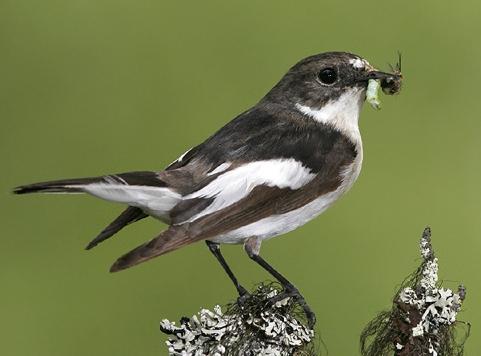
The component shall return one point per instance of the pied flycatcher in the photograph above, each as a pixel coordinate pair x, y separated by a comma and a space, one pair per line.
270, 170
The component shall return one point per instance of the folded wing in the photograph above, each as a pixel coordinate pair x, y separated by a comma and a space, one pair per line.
216, 213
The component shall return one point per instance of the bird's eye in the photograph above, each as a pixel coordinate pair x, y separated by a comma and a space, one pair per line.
328, 76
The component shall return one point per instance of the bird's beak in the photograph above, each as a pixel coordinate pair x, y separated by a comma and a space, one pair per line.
376, 74
390, 82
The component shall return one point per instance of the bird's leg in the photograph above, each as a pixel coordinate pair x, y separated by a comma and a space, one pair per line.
215, 249
252, 247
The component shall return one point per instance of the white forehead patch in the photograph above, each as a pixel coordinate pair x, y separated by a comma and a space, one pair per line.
359, 63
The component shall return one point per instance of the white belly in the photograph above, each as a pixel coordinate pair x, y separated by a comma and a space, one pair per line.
280, 224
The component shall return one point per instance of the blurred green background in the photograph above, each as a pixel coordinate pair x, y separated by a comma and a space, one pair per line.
92, 87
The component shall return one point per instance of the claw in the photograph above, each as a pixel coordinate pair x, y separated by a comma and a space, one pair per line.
242, 291
297, 296
279, 297
243, 296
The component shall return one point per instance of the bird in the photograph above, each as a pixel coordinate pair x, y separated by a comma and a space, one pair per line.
270, 170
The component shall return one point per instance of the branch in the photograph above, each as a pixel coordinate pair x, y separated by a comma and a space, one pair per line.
422, 320
248, 328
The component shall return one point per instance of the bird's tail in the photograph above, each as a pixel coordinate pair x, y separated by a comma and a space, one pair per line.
168, 240
128, 216
129, 188
57, 186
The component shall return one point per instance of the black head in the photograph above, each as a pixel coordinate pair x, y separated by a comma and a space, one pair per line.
324, 77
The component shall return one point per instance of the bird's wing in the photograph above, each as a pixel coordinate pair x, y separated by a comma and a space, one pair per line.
285, 150
262, 202
242, 193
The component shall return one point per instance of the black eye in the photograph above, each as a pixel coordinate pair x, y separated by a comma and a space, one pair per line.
327, 76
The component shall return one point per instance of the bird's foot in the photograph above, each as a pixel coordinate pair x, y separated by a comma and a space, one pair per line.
244, 295
293, 292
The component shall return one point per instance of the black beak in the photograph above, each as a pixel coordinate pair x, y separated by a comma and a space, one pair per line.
390, 82
375, 74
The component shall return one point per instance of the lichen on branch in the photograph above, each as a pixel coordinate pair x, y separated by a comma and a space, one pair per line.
248, 328
423, 319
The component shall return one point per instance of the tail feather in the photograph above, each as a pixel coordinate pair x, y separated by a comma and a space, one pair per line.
142, 189
128, 216
57, 186
169, 240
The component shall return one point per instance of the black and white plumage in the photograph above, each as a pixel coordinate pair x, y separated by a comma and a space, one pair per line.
270, 170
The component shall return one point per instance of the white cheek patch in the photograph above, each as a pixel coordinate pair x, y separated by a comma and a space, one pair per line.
234, 185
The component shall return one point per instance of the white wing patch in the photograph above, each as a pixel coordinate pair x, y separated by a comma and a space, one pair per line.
232, 186
280, 224
181, 157
221, 168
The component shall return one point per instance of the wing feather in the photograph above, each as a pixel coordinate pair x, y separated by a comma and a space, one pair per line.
262, 202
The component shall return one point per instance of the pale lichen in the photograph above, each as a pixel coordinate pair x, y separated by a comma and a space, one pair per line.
423, 316
437, 306
250, 328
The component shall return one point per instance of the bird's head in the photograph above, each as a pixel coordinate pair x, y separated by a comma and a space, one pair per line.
325, 78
